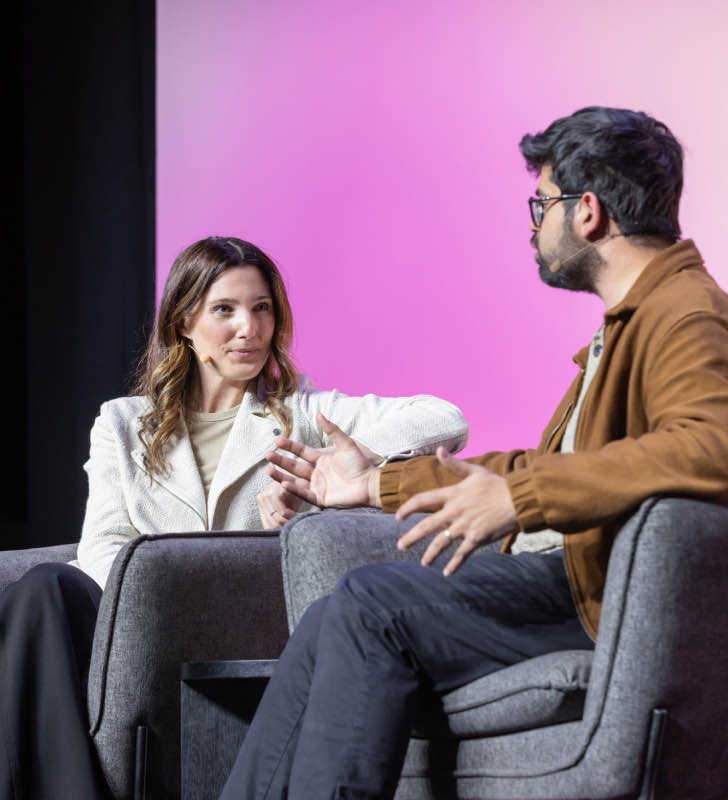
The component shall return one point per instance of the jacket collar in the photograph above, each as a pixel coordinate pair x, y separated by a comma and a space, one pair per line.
668, 262
251, 436
182, 477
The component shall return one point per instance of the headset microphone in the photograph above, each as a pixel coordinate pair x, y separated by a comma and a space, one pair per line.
555, 266
204, 357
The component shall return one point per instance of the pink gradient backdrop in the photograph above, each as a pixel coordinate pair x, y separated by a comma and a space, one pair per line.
371, 149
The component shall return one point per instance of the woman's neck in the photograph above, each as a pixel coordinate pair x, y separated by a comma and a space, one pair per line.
210, 399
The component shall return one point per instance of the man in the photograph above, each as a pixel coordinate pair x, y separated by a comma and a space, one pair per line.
647, 414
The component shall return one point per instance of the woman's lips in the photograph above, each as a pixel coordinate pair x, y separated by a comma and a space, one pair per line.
244, 353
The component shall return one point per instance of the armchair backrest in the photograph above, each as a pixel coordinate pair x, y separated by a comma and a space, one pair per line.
663, 643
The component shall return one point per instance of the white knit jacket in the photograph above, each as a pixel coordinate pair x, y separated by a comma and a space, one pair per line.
122, 503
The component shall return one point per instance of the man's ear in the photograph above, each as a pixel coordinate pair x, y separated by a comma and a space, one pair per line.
590, 218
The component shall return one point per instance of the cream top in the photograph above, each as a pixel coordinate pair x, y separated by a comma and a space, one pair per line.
547, 540
208, 434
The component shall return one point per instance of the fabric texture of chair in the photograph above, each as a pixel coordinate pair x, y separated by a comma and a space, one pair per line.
644, 715
170, 599
15, 563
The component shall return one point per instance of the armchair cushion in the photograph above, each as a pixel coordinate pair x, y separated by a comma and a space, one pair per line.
542, 691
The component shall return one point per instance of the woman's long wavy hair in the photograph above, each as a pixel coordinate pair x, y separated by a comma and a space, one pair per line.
168, 366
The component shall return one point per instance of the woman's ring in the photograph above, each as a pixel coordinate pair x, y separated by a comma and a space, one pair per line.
448, 534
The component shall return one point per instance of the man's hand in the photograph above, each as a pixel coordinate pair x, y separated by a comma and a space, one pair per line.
276, 506
340, 476
477, 510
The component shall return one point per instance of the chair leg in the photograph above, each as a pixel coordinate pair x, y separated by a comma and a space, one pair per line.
658, 723
140, 763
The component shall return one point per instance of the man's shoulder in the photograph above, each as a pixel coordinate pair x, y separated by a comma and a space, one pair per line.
691, 290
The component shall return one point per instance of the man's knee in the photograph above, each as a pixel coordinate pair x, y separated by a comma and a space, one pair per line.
309, 625
375, 588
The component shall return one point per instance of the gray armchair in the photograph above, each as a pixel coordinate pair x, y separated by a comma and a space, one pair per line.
644, 715
170, 599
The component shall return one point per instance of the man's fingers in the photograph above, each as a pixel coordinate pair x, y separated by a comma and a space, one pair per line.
298, 487
299, 468
439, 544
300, 490
454, 465
334, 432
310, 454
423, 501
464, 550
425, 527
288, 502
277, 475
281, 500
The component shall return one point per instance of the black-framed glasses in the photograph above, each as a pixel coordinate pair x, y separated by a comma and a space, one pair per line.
538, 205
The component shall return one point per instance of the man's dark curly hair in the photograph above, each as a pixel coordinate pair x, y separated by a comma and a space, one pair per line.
630, 160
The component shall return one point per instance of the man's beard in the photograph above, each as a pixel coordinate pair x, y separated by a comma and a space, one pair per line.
580, 262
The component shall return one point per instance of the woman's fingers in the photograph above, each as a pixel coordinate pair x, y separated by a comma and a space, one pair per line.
276, 504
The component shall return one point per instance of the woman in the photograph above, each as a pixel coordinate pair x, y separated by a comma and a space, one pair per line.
216, 389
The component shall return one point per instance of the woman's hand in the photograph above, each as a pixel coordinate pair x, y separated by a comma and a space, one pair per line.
340, 476
276, 506
475, 511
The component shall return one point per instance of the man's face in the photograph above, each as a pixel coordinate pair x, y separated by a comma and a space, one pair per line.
564, 260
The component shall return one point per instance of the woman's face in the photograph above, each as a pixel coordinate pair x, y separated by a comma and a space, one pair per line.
233, 325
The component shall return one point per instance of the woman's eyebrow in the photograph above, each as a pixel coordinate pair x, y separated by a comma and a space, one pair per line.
234, 301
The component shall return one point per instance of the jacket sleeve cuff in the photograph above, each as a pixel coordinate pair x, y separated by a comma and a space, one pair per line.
389, 486
525, 501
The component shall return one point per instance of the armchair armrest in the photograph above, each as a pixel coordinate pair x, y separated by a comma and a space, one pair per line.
171, 599
15, 563
320, 547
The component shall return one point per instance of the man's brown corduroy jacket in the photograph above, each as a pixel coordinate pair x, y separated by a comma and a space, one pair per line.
654, 421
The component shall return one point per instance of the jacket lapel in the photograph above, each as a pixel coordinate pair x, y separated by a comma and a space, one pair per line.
253, 435
182, 478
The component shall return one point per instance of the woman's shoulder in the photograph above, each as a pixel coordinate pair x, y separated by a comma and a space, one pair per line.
120, 411
304, 388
